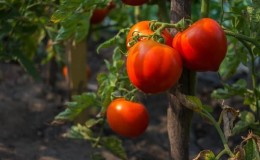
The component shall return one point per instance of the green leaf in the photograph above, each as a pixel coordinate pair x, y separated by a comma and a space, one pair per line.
80, 132
79, 104
28, 65
237, 88
117, 39
205, 155
196, 103
251, 150
114, 145
246, 119
92, 122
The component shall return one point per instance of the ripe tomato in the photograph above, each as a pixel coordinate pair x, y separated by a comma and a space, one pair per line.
99, 14
153, 67
134, 2
143, 28
126, 118
203, 45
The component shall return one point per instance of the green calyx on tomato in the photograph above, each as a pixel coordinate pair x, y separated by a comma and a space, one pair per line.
99, 14
202, 46
143, 28
126, 118
134, 2
153, 67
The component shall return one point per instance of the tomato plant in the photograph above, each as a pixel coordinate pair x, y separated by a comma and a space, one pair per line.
126, 118
203, 45
134, 2
153, 67
99, 14
143, 28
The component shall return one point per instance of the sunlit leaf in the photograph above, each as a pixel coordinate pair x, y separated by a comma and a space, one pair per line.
114, 145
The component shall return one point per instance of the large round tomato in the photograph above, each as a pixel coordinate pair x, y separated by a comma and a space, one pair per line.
126, 118
99, 14
203, 45
153, 67
143, 28
134, 2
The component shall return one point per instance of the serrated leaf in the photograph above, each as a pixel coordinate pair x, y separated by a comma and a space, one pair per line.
80, 132
237, 88
205, 155
114, 145
82, 28
196, 103
81, 102
92, 122
114, 40
246, 119
58, 16
251, 150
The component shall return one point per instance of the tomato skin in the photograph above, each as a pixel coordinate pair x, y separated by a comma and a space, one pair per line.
143, 27
153, 67
134, 2
203, 45
126, 118
99, 14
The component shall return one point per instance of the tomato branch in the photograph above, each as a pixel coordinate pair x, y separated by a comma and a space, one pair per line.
220, 132
204, 8
243, 37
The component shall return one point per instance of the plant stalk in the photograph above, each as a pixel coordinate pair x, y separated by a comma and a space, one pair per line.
204, 11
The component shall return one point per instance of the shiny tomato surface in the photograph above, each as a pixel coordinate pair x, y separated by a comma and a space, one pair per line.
203, 45
153, 67
142, 27
126, 118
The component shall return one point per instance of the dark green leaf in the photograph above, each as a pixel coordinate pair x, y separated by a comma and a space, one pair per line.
28, 65
114, 145
79, 104
251, 150
246, 119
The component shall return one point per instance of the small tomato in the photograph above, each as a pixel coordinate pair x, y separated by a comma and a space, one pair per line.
126, 118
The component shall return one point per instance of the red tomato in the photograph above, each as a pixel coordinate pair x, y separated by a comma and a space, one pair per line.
143, 28
203, 45
99, 14
135, 2
153, 67
126, 118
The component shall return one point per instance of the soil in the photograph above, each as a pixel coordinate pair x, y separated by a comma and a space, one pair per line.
28, 107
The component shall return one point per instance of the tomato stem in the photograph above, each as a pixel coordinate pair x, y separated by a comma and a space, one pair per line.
204, 8
243, 37
220, 132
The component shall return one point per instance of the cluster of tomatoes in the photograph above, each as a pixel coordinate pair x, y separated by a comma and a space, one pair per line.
154, 67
